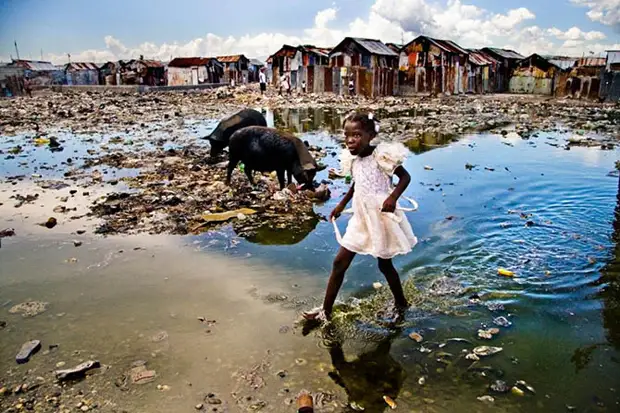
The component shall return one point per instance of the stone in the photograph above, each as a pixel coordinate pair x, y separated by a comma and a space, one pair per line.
27, 350
140, 375
199, 406
77, 243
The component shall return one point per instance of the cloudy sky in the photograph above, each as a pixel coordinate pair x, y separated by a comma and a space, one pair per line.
122, 29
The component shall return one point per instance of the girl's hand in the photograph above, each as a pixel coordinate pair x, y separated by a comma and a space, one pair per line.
336, 212
389, 205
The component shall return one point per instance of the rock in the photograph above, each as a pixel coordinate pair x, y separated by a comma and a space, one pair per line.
78, 371
8, 232
199, 406
50, 223
60, 209
28, 349
84, 408
140, 375
159, 337
484, 351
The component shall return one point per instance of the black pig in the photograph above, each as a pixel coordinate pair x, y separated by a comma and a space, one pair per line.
266, 149
220, 136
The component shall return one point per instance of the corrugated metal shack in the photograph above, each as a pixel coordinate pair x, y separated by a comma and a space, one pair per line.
585, 78
143, 72
194, 71
11, 80
77, 73
40, 73
286, 62
110, 73
371, 65
481, 72
315, 69
254, 68
610, 83
508, 61
542, 75
235, 67
434, 66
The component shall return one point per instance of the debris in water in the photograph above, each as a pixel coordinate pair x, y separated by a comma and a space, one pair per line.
78, 371
428, 168
225, 216
50, 223
505, 273
305, 404
484, 351
502, 322
29, 308
486, 399
390, 402
472, 356
422, 381
527, 386
416, 337
28, 349
9, 232
500, 387
140, 375
377, 285
517, 391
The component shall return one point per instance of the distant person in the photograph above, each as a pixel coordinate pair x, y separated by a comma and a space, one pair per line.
232, 83
351, 87
27, 87
282, 84
287, 85
378, 227
303, 86
262, 80
244, 80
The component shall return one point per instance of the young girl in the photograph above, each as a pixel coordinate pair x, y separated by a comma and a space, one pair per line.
376, 228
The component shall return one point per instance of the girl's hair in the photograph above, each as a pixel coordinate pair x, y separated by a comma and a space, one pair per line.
366, 121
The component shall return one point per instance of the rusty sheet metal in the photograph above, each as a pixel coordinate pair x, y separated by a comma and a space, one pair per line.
592, 61
285, 51
479, 58
81, 66
369, 45
193, 61
35, 65
562, 62
231, 59
505, 53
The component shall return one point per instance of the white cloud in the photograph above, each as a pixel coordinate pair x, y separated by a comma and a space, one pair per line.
390, 21
602, 11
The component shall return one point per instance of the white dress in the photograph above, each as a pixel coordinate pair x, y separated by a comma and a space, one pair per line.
370, 231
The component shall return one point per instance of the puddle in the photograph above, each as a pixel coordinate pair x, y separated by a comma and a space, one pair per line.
550, 215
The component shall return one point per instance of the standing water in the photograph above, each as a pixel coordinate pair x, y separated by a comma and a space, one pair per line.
213, 314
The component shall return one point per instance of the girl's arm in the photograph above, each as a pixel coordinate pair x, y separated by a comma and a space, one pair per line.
343, 203
403, 182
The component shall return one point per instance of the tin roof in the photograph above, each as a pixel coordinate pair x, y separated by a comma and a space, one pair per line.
321, 51
147, 63
231, 59
505, 53
81, 66
256, 62
563, 62
192, 61
592, 61
286, 51
395, 46
480, 58
35, 65
372, 46
445, 45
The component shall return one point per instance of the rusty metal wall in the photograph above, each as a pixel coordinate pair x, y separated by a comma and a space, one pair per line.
530, 85
610, 87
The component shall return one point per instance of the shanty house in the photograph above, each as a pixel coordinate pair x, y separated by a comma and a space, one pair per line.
315, 69
110, 73
542, 75
610, 83
143, 72
254, 68
40, 73
286, 62
585, 78
11, 80
235, 67
508, 61
434, 66
371, 65
77, 73
194, 71
481, 72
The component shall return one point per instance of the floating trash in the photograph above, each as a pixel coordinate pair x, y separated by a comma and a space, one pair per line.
502, 322
484, 351
527, 386
505, 273
486, 399
500, 387
390, 402
416, 337
517, 391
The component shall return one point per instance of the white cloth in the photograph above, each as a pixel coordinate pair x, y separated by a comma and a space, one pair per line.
261, 78
370, 231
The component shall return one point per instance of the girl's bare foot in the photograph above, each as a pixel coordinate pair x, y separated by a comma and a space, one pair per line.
316, 314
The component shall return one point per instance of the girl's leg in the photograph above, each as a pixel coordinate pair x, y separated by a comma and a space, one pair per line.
343, 259
391, 275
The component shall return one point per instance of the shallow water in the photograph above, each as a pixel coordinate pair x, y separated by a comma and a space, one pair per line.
541, 211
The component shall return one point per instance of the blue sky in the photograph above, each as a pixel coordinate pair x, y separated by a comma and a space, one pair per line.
62, 26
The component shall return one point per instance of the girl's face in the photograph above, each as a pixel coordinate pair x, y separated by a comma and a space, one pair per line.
355, 137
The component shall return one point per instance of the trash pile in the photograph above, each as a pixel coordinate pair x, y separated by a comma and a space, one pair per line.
182, 193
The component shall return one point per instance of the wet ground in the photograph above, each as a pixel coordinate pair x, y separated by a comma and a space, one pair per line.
214, 313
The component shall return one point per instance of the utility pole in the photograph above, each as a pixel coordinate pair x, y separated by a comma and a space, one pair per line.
16, 49
41, 54
69, 56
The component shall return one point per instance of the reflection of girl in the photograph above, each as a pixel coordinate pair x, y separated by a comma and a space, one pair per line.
377, 228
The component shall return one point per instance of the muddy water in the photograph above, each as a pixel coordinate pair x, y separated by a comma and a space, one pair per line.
541, 211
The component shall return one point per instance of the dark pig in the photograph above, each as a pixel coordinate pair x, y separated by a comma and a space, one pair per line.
267, 149
220, 136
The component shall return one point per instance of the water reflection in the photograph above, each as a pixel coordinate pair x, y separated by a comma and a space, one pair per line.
308, 119
269, 235
370, 376
428, 141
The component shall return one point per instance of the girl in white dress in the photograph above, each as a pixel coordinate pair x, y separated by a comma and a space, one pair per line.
377, 227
